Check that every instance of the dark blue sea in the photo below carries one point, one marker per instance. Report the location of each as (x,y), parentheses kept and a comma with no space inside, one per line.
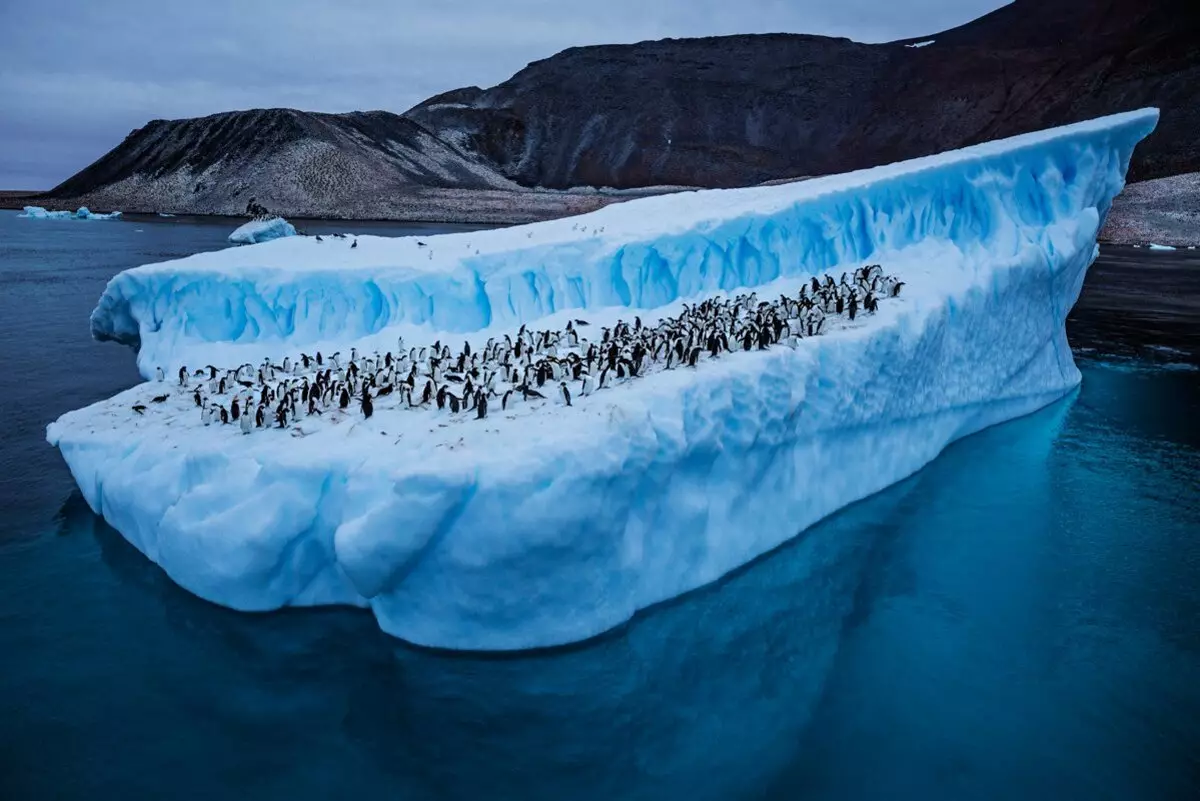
(1020,620)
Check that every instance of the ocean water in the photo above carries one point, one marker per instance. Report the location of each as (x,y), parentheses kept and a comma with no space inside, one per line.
(1021,619)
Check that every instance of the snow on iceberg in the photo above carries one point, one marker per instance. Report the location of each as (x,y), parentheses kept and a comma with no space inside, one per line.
(39,213)
(257,231)
(536,531)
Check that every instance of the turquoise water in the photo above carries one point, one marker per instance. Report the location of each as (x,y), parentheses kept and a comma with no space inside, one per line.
(1021,619)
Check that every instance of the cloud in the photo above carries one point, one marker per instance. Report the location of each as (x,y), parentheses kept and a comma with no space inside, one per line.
(76,75)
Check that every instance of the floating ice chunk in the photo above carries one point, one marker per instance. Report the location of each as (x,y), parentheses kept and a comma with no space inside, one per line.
(1160,247)
(262,231)
(39,213)
(926,43)
(547,526)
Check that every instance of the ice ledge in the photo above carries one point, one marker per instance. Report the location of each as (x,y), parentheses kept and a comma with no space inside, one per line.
(244,304)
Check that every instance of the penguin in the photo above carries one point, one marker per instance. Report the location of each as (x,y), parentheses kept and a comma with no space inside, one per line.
(566,393)
(319,239)
(235,411)
(183,376)
(206,415)
(246,422)
(159,398)
(354,244)
(896,289)
(481,404)
(224,416)
(196,397)
(343,399)
(368,407)
(159,375)
(260,417)
(139,408)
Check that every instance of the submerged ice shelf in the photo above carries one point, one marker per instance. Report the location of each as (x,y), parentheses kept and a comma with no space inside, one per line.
(520,533)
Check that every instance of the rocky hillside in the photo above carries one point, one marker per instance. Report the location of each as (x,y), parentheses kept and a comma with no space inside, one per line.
(1164,211)
(297,162)
(736,110)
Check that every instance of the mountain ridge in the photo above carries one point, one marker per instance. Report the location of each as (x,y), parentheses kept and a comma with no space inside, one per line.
(704,112)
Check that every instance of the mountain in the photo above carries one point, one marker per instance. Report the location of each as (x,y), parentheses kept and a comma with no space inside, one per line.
(361,164)
(735,110)
(721,111)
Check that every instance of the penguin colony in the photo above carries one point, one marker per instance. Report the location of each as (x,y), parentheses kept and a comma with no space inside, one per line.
(530,367)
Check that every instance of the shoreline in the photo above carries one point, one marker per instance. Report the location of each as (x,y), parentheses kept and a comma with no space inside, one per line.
(1161,211)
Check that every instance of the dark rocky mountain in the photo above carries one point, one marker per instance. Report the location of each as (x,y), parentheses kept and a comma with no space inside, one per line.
(724,111)
(304,164)
(737,110)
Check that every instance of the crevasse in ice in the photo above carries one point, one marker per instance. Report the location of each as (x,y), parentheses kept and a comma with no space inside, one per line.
(549,528)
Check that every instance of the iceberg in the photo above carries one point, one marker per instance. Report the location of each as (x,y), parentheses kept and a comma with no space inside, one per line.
(257,231)
(39,213)
(546,524)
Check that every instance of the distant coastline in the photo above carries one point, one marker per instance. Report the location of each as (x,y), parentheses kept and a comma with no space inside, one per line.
(1164,211)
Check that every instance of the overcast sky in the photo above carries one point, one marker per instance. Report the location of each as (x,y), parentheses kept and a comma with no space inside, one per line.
(76,76)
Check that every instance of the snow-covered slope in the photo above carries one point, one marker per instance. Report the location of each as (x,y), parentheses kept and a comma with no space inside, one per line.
(255,231)
(525,531)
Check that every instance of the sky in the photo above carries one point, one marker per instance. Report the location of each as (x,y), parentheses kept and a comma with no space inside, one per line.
(76,76)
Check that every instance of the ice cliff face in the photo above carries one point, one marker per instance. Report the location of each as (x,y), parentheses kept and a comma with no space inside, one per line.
(539,533)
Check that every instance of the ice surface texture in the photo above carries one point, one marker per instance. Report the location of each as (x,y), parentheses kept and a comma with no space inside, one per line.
(256,231)
(550,529)
(82,213)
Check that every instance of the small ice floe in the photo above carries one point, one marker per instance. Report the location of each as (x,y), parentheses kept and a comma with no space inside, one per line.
(926,43)
(257,231)
(82,213)
(1160,247)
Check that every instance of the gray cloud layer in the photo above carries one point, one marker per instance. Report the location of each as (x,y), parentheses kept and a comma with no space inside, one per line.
(77,75)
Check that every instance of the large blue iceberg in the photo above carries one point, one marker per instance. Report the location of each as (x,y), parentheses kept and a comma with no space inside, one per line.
(530,531)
